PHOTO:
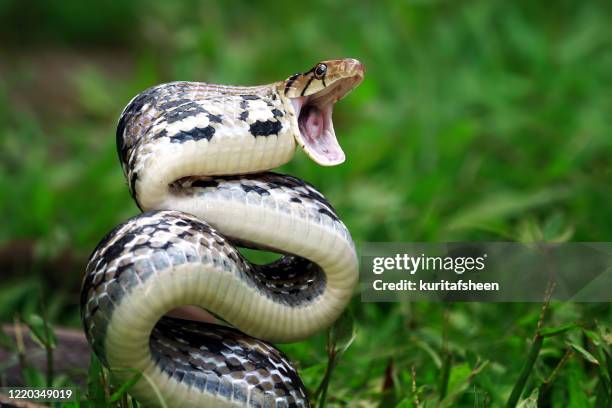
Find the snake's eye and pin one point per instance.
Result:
(320, 71)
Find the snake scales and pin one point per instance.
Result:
(196, 157)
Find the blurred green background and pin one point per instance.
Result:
(477, 120)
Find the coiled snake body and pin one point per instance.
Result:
(195, 156)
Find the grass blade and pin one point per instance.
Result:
(445, 375)
(120, 393)
(532, 356)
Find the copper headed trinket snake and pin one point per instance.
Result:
(196, 157)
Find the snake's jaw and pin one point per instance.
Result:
(316, 133)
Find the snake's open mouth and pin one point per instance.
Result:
(317, 131)
(314, 112)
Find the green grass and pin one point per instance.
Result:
(478, 120)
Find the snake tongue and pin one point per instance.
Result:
(317, 136)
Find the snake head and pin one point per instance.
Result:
(313, 95)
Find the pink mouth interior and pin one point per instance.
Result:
(314, 118)
(317, 131)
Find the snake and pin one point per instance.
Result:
(197, 158)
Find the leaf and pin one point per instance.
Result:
(602, 395)
(555, 229)
(125, 387)
(593, 336)
(460, 379)
(555, 331)
(529, 402)
(445, 375)
(429, 350)
(405, 403)
(342, 333)
(459, 375)
(528, 366)
(12, 296)
(77, 398)
(588, 356)
(41, 332)
(95, 382)
(609, 367)
(576, 394)
(121, 392)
